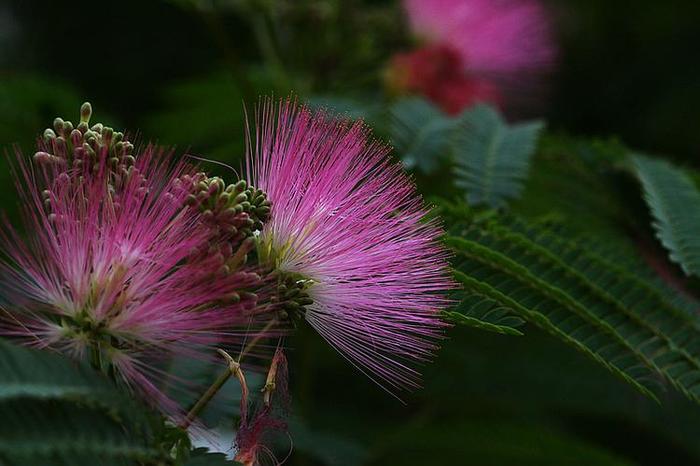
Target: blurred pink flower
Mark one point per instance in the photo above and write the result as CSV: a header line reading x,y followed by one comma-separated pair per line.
x,y
483,48
493,37
347,226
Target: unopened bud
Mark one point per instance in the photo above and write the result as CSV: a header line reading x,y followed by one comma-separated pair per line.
x,y
107,134
262,211
85,113
224,198
240,186
76,137
42,157
58,125
49,134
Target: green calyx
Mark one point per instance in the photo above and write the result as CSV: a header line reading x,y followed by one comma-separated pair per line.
x,y
101,345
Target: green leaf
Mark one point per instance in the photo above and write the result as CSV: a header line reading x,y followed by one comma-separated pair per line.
x,y
577,182
421,133
492,158
589,301
469,321
482,312
41,432
35,374
674,202
58,412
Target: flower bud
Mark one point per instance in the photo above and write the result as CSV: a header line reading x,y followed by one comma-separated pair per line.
x,y
85,113
58,125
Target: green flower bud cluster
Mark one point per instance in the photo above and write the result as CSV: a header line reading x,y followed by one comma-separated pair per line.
x,y
292,295
234,213
85,146
236,206
72,147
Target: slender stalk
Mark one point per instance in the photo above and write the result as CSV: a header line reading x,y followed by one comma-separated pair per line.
x,y
233,368
206,398
260,335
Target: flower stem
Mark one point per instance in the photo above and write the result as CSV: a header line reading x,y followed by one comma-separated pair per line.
x,y
233,368
206,398
95,357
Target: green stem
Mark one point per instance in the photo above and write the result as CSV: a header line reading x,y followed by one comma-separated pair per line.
x,y
231,369
206,398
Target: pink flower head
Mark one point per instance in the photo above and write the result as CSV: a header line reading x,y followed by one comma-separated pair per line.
x,y
346,230
493,37
477,51
109,269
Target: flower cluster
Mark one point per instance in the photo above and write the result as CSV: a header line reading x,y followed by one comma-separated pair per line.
x,y
115,266
132,259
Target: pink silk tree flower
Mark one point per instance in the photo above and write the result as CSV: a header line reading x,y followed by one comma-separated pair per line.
x,y
347,237
491,51
493,37
108,268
